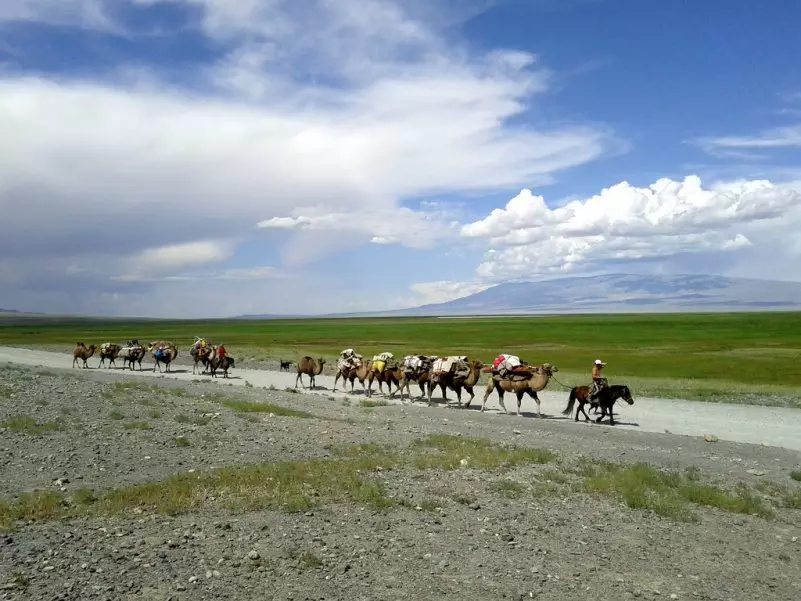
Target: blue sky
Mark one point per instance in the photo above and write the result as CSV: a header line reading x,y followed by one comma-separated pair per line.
x,y
318,156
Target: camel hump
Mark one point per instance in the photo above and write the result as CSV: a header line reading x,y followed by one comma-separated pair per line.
x,y
308,358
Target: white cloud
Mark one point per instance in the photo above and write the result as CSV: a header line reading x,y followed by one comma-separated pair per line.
x,y
778,137
319,123
444,290
183,255
626,223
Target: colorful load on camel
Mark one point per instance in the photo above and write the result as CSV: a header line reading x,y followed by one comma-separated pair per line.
x,y
417,364
508,366
380,362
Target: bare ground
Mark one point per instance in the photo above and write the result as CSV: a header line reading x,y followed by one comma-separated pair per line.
x,y
119,487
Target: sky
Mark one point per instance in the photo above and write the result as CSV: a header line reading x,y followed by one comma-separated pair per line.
x,y
210,158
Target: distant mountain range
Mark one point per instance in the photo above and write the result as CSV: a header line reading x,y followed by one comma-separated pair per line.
x,y
613,293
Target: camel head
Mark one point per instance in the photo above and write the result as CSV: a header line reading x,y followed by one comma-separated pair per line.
x,y
92,347
549,369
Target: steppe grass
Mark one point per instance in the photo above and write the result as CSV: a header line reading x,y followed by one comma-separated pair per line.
x,y
669,494
353,475
241,406
734,357
796,476
24,424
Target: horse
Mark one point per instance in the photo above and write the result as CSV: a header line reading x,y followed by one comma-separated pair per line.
x,y
606,400
223,363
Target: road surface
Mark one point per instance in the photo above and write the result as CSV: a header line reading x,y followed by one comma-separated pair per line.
x,y
772,426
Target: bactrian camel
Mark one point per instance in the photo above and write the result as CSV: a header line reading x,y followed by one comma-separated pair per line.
x,y
390,375
350,374
204,355
422,380
134,355
538,381
456,382
110,352
311,368
167,355
82,353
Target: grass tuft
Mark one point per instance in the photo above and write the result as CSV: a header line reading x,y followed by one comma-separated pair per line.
x,y
195,420
796,476
251,407
181,441
448,452
138,426
668,494
24,424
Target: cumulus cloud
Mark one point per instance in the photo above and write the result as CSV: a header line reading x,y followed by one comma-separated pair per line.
x,y
624,223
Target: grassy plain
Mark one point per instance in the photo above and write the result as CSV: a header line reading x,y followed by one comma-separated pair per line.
x,y
741,357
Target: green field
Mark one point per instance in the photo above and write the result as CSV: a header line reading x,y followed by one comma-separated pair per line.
x,y
743,357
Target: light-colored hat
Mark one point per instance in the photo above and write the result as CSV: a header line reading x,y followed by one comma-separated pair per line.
x,y
599,362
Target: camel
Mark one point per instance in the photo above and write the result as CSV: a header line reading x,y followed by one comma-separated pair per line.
x,y
352,373
134,355
163,352
531,386
390,376
456,383
223,363
109,351
83,353
310,367
204,356
422,379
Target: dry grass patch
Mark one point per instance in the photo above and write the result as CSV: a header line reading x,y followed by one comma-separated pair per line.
x,y
796,476
251,407
24,424
448,452
138,426
195,420
669,494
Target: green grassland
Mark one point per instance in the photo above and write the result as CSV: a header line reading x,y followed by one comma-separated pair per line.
x,y
742,357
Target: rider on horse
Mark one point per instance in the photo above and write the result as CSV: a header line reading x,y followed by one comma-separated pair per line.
x,y
598,381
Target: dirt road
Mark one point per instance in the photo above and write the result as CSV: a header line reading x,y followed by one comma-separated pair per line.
x,y
770,426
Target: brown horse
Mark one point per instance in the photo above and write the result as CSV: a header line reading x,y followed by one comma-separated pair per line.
x,y
606,400
223,363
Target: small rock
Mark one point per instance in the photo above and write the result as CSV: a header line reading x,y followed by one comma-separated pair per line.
x,y
474,506
756,472
209,574
180,587
674,596
710,438
254,555
192,579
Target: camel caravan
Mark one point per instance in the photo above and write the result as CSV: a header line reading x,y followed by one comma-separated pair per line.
x,y
212,358
429,372
458,373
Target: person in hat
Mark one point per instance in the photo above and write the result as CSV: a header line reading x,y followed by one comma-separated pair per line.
x,y
221,351
598,380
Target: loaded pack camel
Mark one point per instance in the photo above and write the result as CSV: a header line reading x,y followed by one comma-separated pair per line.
x,y
163,352
109,351
83,353
456,382
531,386
133,355
223,363
422,380
310,367
390,375
204,355
350,374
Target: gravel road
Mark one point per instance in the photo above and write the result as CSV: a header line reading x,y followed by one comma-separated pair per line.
x,y
771,426
530,530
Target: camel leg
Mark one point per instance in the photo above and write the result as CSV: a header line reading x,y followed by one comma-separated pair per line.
x,y
458,390
336,379
298,377
431,386
487,392
533,394
519,395
500,398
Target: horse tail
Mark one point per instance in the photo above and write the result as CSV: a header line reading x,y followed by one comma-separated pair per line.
x,y
571,401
